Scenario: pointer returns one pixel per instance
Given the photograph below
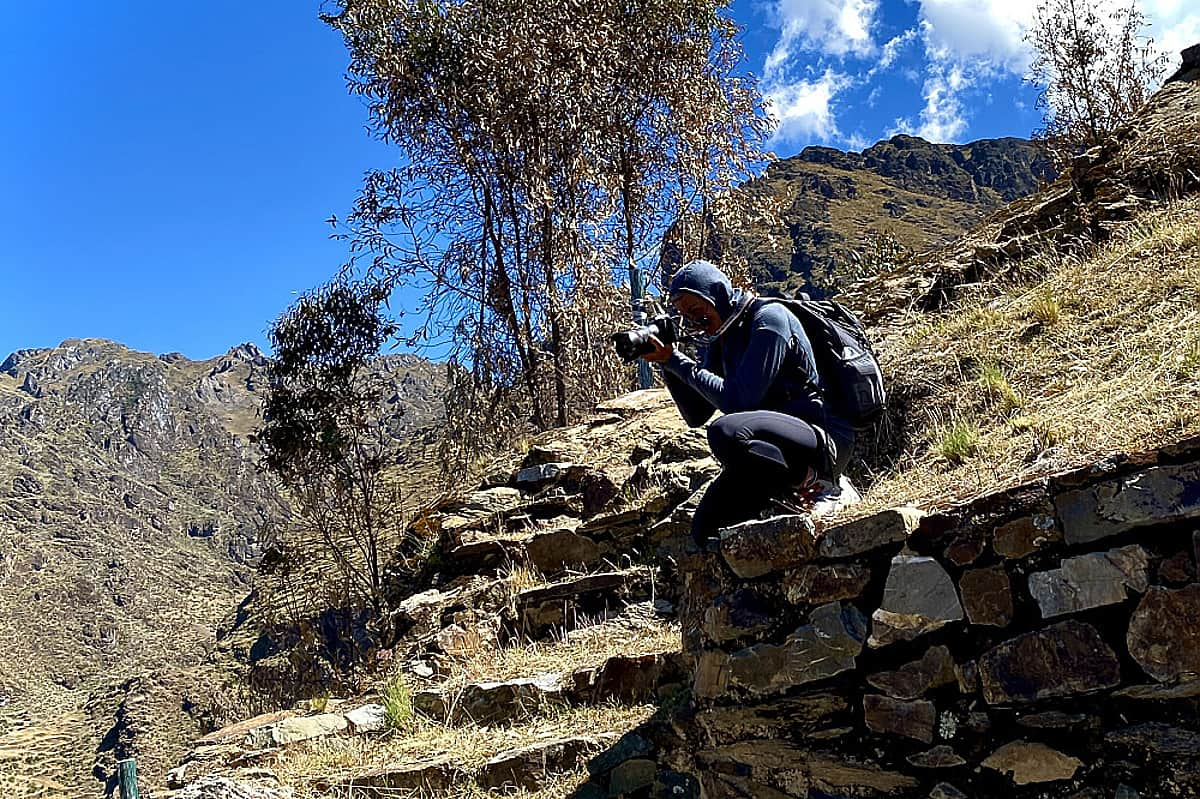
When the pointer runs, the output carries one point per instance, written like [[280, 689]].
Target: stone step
[[572, 603], [628, 679]]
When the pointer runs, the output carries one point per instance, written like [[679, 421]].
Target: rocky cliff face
[[132, 514]]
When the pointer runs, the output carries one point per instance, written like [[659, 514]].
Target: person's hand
[[660, 353]]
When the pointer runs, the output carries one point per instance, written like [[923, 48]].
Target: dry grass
[[1097, 356], [333, 760]]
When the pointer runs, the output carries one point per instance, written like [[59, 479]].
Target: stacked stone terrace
[[1041, 642]]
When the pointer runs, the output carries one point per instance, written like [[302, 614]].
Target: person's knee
[[727, 438]]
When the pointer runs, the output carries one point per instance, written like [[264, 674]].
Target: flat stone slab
[[593, 583], [368, 718], [755, 548], [1163, 635], [436, 774], [869, 533], [895, 717], [561, 549], [814, 584], [492, 702], [826, 646], [918, 598], [237, 732], [1024, 536], [1030, 763], [737, 615], [1157, 738], [938, 757], [295, 729], [934, 669], [529, 766], [987, 596], [1062, 660], [1150, 497], [1090, 581]]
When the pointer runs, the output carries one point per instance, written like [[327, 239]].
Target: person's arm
[[747, 386], [692, 405]]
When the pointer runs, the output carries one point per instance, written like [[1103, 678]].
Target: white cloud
[[804, 108], [1174, 24], [943, 118], [988, 34], [892, 49], [830, 27]]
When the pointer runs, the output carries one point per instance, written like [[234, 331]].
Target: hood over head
[[708, 282]]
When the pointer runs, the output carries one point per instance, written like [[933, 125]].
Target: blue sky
[[166, 168]]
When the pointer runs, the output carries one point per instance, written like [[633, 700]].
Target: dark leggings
[[762, 453]]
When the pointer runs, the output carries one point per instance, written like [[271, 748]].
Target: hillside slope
[[132, 515], [839, 210]]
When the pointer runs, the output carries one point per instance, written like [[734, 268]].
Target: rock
[[624, 678], [870, 533], [755, 548], [561, 549], [558, 605], [368, 718], [1032, 762], [435, 774], [740, 614], [1156, 738], [628, 746], [295, 729], [636, 402], [934, 669], [1187, 689], [1163, 636], [492, 702], [529, 766], [967, 675], [828, 645], [1062, 660], [539, 474], [919, 597], [938, 757], [1177, 569], [1153, 496], [710, 678], [1023, 537], [238, 732], [817, 585], [489, 501], [1090, 581], [1057, 720], [215, 787], [483, 556], [892, 716], [630, 776], [966, 547], [987, 596], [810, 714], [944, 790]]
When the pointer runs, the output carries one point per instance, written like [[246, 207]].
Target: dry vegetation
[[1082, 358]]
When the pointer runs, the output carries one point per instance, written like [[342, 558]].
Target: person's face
[[698, 312]]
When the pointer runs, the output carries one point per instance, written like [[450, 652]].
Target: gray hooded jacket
[[763, 361]]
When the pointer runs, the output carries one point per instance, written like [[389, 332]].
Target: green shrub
[[998, 389], [398, 703]]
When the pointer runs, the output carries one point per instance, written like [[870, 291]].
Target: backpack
[[850, 373]]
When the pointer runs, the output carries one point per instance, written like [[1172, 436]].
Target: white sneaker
[[834, 497]]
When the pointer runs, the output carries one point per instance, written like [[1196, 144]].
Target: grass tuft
[[398, 704], [958, 441], [995, 385], [1046, 309]]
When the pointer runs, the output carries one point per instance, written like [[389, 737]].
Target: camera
[[632, 343]]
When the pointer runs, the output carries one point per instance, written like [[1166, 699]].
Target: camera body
[[632, 343]]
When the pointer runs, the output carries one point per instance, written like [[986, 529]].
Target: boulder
[[217, 787], [368, 718], [1062, 660], [295, 729], [919, 597], [434, 774]]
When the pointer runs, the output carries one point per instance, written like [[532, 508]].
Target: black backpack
[[849, 369]]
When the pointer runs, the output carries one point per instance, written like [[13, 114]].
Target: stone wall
[[1042, 642]]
